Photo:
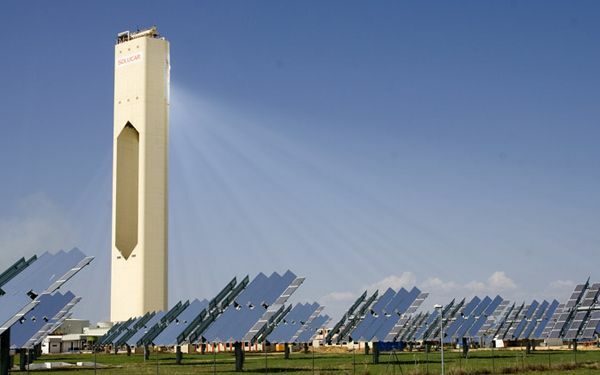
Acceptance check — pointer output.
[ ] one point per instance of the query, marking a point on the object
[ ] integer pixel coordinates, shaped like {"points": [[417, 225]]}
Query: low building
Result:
{"points": [[74, 335]]}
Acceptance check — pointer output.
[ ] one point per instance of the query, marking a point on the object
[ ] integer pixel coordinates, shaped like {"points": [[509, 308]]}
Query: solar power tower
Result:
{"points": [[140, 140]]}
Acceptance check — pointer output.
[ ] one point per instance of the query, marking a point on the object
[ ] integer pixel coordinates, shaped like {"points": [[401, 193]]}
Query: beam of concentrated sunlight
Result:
{"points": [[245, 199]]}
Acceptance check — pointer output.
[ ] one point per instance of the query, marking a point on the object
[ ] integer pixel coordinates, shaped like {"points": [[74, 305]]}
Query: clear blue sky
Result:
{"points": [[451, 145]]}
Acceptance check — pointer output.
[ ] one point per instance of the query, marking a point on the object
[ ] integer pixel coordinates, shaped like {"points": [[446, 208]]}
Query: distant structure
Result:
{"points": [[139, 213]]}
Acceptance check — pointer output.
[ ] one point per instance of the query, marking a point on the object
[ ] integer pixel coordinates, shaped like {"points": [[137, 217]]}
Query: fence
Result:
{"points": [[323, 361]]}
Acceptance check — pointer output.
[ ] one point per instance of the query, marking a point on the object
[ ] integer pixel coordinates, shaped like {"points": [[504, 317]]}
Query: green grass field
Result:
{"points": [[478, 362]]}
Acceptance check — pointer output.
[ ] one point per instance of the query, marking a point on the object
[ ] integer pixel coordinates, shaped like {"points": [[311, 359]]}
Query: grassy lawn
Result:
{"points": [[478, 362]]}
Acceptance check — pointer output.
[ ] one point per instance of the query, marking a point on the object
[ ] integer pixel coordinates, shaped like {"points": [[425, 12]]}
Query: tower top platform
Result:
{"points": [[126, 36]]}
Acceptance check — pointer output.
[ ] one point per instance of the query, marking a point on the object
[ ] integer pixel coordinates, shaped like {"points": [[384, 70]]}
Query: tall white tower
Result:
{"points": [[140, 162]]}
